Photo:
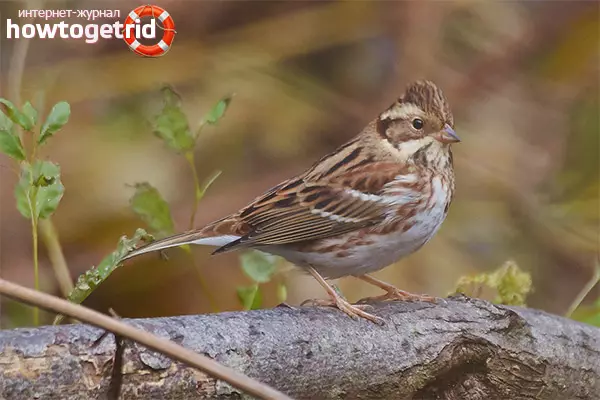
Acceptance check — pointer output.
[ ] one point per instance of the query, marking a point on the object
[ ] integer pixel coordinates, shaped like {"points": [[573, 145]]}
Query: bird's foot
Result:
{"points": [[393, 293], [355, 311], [400, 295], [337, 300]]}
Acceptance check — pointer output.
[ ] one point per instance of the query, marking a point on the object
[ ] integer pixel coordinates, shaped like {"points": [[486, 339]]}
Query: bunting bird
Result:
{"points": [[376, 199]]}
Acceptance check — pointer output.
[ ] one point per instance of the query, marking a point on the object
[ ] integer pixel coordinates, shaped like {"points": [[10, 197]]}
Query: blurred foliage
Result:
{"points": [[217, 112], [149, 205], [511, 284], [259, 267], [92, 278], [250, 296], [58, 117], [590, 314], [10, 143], [25, 118], [147, 202], [39, 189], [171, 125]]}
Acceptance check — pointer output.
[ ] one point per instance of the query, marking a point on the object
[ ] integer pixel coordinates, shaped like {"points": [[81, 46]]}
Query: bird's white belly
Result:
{"points": [[357, 253]]}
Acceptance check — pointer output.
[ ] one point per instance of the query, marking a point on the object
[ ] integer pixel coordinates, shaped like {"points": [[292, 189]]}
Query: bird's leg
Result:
{"points": [[354, 311], [393, 293], [328, 302]]}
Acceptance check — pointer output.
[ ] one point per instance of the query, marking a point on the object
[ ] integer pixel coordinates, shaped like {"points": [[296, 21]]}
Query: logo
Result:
{"points": [[132, 23], [132, 30]]}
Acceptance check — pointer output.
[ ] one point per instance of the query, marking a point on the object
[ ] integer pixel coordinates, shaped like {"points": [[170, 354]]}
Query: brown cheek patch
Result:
{"points": [[382, 126]]}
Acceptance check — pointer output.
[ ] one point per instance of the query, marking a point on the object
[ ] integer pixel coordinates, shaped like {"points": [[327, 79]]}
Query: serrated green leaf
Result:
{"points": [[258, 266], [39, 187], [92, 278], [171, 125], [250, 297], [30, 113], [16, 116], [11, 145], [58, 117], [149, 205], [218, 110]]}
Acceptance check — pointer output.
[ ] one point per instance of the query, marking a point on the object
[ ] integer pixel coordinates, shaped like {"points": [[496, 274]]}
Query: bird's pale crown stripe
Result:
{"points": [[401, 111]]}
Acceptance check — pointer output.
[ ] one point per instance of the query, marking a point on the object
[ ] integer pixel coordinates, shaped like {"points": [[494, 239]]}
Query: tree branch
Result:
{"points": [[122, 330], [464, 349]]}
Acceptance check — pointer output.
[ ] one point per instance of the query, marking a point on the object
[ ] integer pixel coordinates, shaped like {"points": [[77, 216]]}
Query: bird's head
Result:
{"points": [[419, 121]]}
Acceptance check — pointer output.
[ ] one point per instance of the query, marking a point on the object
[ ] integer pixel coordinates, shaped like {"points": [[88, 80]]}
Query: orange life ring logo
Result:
{"points": [[132, 30]]}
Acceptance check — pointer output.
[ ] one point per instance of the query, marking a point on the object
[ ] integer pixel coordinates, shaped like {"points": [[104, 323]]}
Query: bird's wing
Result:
{"points": [[306, 209]]}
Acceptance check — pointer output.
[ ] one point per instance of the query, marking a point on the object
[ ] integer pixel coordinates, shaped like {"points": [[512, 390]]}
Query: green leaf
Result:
{"points": [[92, 278], [39, 188], [30, 113], [16, 116], [11, 145], [149, 205], [23, 191], [281, 292], [250, 297], [6, 124], [258, 266], [171, 125], [58, 117], [218, 110], [170, 96]]}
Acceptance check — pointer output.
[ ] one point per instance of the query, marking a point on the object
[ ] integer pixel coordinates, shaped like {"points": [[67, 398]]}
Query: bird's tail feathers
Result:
{"points": [[202, 237]]}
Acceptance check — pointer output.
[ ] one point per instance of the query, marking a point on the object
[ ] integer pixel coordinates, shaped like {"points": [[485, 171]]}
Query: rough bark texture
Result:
{"points": [[464, 349]]}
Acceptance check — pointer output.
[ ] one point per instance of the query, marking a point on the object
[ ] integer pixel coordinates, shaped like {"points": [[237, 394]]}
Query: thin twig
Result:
{"points": [[161, 345], [50, 238], [586, 289], [116, 373], [189, 156]]}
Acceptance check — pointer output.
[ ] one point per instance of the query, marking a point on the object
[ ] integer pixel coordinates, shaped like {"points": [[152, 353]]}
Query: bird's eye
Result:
{"points": [[417, 123]]}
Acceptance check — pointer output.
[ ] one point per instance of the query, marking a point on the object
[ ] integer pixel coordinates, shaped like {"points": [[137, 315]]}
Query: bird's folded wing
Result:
{"points": [[297, 211]]}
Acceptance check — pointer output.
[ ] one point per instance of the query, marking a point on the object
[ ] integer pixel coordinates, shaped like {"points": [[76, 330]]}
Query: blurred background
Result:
{"points": [[522, 78]]}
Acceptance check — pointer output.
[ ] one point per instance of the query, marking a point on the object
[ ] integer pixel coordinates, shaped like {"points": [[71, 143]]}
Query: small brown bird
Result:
{"points": [[374, 200]]}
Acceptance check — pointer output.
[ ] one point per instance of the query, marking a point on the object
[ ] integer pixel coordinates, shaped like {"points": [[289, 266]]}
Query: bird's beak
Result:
{"points": [[447, 135]]}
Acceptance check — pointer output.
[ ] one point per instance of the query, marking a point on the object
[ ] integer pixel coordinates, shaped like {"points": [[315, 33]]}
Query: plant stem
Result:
{"points": [[32, 199], [586, 289], [189, 156], [55, 253], [36, 272]]}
